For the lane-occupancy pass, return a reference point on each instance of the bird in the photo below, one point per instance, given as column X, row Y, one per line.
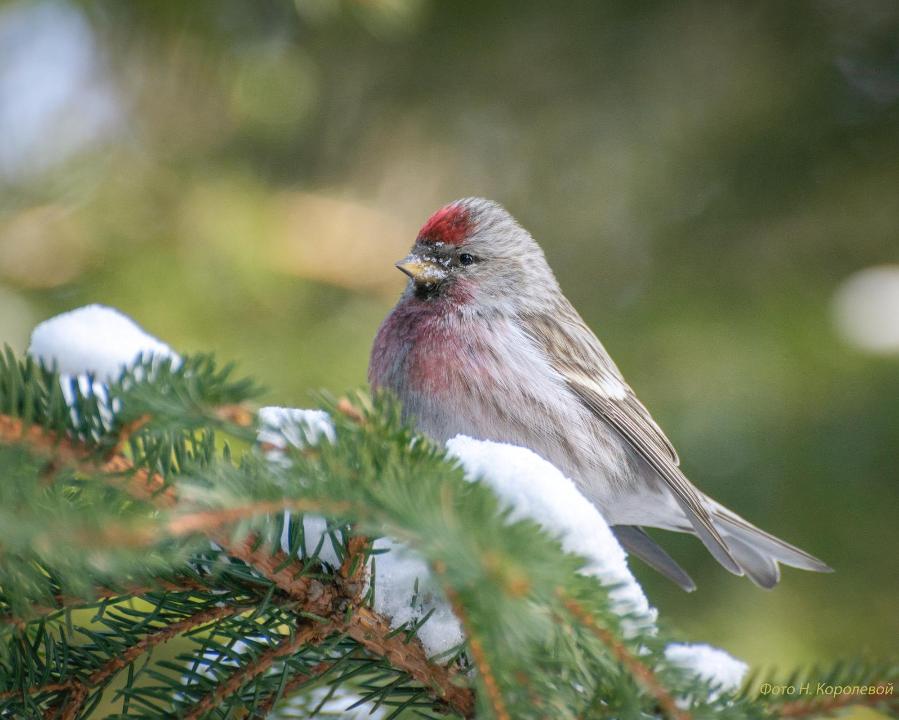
column 484, row 343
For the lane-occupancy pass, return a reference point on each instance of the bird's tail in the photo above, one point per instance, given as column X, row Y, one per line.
column 759, row 553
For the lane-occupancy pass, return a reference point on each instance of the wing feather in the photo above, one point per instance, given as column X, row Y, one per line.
column 592, row 376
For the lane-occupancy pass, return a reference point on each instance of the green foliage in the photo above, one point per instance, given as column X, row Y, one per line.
column 94, row 577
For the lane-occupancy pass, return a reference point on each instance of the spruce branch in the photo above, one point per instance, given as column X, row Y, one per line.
column 62, row 452
column 303, row 637
column 212, row 521
column 318, row 598
column 638, row 670
column 478, row 654
column 257, row 614
column 374, row 633
column 102, row 594
column 296, row 682
column 80, row 689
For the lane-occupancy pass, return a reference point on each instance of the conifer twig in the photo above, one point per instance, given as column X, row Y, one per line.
column 309, row 635
column 48, row 688
column 102, row 593
column 295, row 683
column 62, row 451
column 373, row 632
column 206, row 521
column 477, row 654
column 286, row 573
column 638, row 670
column 79, row 689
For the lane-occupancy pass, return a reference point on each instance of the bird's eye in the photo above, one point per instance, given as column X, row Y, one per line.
column 466, row 259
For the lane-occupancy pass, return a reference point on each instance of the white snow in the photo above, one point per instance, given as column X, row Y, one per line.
column 709, row 663
column 396, row 571
column 282, row 425
column 93, row 339
column 395, row 575
column 536, row 489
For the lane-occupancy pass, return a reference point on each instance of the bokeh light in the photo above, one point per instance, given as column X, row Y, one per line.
column 866, row 309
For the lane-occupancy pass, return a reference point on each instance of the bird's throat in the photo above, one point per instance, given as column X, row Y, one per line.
column 427, row 291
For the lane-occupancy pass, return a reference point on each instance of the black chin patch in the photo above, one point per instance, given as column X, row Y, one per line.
column 427, row 291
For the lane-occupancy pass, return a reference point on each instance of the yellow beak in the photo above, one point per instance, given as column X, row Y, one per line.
column 422, row 269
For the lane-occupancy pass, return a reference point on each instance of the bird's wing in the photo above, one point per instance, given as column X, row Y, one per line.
column 575, row 353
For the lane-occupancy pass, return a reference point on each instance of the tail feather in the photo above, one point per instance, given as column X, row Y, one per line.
column 759, row 543
column 750, row 550
column 635, row 540
column 757, row 566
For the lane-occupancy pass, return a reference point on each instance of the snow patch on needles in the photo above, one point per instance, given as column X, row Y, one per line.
column 280, row 426
column 714, row 666
column 283, row 426
column 96, row 342
column 536, row 489
column 399, row 572
column 531, row 486
column 396, row 575
column 93, row 339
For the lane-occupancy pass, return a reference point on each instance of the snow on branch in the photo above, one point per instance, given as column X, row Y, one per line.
column 536, row 489
column 94, row 339
column 708, row 663
column 102, row 341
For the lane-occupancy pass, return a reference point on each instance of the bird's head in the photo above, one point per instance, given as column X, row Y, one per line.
column 473, row 250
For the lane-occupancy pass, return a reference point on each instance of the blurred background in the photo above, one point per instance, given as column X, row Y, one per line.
column 716, row 185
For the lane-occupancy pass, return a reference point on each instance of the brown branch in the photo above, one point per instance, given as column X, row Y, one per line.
column 125, row 434
column 352, row 569
column 100, row 594
column 206, row 521
column 46, row 442
column 311, row 634
column 48, row 688
column 161, row 635
column 345, row 407
column 142, row 484
column 79, row 689
column 295, row 683
column 366, row 627
column 830, row 703
column 477, row 654
column 236, row 414
column 64, row 452
column 72, row 705
column 375, row 634
column 638, row 670
column 316, row 596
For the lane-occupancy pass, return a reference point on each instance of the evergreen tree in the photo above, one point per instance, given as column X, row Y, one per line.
column 144, row 512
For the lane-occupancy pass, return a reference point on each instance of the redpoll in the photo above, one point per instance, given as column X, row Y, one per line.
column 483, row 343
